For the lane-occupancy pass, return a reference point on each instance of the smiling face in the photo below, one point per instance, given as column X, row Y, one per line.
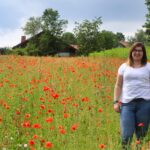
column 137, row 53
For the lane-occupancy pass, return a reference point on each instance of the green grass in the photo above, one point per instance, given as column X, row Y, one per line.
column 117, row 53
column 85, row 93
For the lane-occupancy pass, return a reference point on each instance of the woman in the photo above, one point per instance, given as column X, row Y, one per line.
column 132, row 95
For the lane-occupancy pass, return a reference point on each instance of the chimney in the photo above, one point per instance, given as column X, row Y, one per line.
column 23, row 38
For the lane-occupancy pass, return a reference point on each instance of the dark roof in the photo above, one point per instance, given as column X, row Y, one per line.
column 24, row 43
column 74, row 46
column 124, row 43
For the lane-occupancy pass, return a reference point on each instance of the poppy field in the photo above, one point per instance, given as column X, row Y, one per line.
column 58, row 103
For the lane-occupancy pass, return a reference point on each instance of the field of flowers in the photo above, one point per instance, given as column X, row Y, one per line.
column 58, row 103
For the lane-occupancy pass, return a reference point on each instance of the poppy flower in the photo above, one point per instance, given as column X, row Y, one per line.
column 49, row 120
column 101, row 146
column 48, row 145
column 36, row 126
column 62, row 131
column 31, row 142
column 74, row 127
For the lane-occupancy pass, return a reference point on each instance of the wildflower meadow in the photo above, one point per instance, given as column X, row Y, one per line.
column 58, row 103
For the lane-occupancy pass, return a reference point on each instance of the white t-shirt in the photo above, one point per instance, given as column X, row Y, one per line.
column 136, row 82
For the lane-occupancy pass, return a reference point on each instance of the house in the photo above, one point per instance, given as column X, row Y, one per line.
column 123, row 44
column 68, row 50
column 24, row 41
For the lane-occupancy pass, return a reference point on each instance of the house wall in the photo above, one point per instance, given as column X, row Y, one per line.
column 63, row 54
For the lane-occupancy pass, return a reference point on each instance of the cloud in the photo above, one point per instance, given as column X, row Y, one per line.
column 127, row 28
column 117, row 15
column 10, row 38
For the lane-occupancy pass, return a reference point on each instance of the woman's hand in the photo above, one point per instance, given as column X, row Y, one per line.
column 117, row 107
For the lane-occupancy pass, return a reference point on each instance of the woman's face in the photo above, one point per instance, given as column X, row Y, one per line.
column 137, row 54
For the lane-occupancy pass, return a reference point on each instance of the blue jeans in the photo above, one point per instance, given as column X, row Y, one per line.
column 134, row 117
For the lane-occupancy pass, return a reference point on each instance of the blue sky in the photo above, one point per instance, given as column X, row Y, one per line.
column 126, row 16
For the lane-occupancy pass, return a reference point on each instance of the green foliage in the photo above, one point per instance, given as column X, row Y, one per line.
column 147, row 23
column 4, row 50
column 48, row 40
column 89, row 38
column 33, row 26
column 117, row 53
column 81, row 117
column 20, row 51
column 140, row 36
column 120, row 36
column 52, row 23
column 46, row 44
column 32, row 49
column 69, row 38
column 87, row 34
column 108, row 40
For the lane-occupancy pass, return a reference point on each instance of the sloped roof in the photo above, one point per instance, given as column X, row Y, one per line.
column 124, row 43
column 74, row 46
column 24, row 43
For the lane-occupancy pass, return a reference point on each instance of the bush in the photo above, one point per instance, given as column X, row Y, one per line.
column 20, row 51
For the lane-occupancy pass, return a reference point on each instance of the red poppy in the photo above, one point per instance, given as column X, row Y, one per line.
column 62, row 131
column 45, row 88
column 36, row 126
column 85, row 99
column 35, row 136
column 26, row 124
column 100, row 110
column 49, row 120
column 101, row 146
column 27, row 115
column 31, row 142
column 42, row 106
column 54, row 95
column 74, row 127
column 66, row 115
column 17, row 112
column 1, row 119
column 48, row 145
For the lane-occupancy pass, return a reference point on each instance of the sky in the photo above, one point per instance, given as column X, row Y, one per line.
column 125, row 16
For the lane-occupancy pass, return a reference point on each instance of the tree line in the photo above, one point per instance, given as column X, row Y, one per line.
column 87, row 34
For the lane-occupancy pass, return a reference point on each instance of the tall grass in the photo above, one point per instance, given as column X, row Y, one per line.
column 117, row 53
column 58, row 103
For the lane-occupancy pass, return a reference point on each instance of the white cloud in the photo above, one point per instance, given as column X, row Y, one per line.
column 127, row 28
column 10, row 38
column 117, row 16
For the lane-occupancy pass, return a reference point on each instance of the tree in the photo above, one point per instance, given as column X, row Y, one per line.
column 131, row 39
column 120, row 36
column 52, row 26
column 147, row 23
column 69, row 38
column 49, row 28
column 87, row 34
column 52, row 23
column 140, row 36
column 33, row 26
column 108, row 40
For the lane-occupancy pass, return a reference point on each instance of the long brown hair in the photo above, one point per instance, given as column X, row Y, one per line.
column 130, row 58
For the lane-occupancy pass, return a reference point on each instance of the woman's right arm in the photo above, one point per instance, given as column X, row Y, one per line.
column 117, row 92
